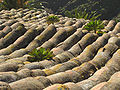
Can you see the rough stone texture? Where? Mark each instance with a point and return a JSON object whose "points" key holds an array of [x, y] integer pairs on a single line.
{"points": [[82, 60], [27, 84]]}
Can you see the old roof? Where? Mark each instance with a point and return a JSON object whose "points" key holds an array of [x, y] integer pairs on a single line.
{"points": [[82, 61]]}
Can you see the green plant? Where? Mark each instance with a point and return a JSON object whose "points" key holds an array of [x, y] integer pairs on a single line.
{"points": [[52, 19], [92, 15], [9, 4], [35, 4], [40, 54], [96, 25]]}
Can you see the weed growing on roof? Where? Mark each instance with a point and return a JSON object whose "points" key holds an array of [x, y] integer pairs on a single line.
{"points": [[40, 54], [52, 19], [95, 26]]}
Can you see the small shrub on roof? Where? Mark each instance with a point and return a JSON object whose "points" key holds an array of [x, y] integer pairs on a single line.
{"points": [[52, 19], [95, 26], [40, 54]]}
